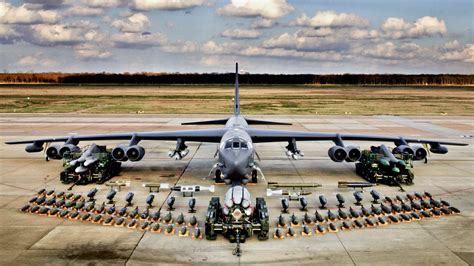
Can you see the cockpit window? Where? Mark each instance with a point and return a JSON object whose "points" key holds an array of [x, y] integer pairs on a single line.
{"points": [[228, 145], [243, 145], [235, 145]]}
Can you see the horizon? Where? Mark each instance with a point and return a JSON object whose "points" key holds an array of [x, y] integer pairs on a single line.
{"points": [[266, 37]]}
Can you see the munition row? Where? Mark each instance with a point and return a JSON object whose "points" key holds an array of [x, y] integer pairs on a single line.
{"points": [[132, 219]]}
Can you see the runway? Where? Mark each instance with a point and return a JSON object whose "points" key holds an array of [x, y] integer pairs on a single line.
{"points": [[31, 239]]}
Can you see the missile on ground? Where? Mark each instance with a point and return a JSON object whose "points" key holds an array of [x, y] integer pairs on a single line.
{"points": [[393, 219], [85, 216], [375, 196], [435, 203], [50, 201], [382, 220], [405, 217], [415, 206], [320, 229], [156, 216], [170, 203], [418, 195], [60, 202], [169, 230], [332, 227], [281, 221], [354, 213], [60, 194], [91, 194], [122, 211], [346, 225], [108, 221], [50, 193], [193, 222], [323, 201], [388, 199], [111, 210], [342, 214], [97, 218], [132, 224], [32, 200], [319, 217], [369, 222], [40, 200], [89, 206], [168, 218], [399, 198], [425, 204], [74, 215], [444, 203], [145, 225], [34, 209], [129, 198], [120, 221], [79, 205], [375, 210], [331, 216], [358, 197], [43, 210], [134, 213], [197, 233], [396, 208], [291, 232], [41, 192], [63, 213], [278, 234], [436, 212], [145, 214], [425, 214], [69, 204], [294, 220], [386, 209], [68, 195], [156, 227], [406, 207], [110, 196], [427, 194], [285, 205], [307, 219], [76, 197], [25, 208], [192, 205], [341, 200], [415, 216], [306, 231], [445, 211], [149, 199], [304, 203], [364, 211], [180, 219], [358, 224]]}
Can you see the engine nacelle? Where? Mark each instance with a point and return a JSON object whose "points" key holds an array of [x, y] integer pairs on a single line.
{"points": [[135, 153], [419, 153], [119, 153], [337, 153], [53, 152], [68, 148], [353, 154], [34, 147], [403, 149], [437, 148]]}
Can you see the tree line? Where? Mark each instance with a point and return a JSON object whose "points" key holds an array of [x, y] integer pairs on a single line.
{"points": [[228, 78]]}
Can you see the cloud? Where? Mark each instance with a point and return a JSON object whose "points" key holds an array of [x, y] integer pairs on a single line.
{"points": [[241, 34], [103, 3], [22, 15], [301, 43], [64, 34], [83, 11], [136, 40], [46, 4], [146, 5], [256, 8], [331, 19], [180, 47], [134, 23], [398, 28], [89, 51], [263, 23], [36, 60], [8, 34], [459, 53], [391, 51]]}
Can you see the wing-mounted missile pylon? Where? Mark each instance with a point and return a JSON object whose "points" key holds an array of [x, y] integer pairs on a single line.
{"points": [[188, 190], [180, 151], [292, 150]]}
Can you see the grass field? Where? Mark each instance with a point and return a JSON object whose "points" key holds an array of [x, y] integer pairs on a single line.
{"points": [[254, 100]]}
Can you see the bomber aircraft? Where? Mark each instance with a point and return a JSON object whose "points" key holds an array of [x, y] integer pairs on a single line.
{"points": [[236, 163]]}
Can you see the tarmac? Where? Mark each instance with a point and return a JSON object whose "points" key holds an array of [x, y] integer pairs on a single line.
{"points": [[33, 239]]}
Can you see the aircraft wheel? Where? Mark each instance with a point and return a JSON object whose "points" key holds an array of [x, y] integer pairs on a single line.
{"points": [[254, 176], [218, 177]]}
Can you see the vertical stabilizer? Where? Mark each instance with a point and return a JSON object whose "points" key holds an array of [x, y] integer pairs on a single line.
{"points": [[236, 92]]}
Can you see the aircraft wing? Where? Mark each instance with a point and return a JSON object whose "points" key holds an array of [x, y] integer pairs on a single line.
{"points": [[268, 135], [201, 135]]}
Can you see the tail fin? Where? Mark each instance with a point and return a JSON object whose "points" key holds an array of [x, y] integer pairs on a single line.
{"points": [[236, 92]]}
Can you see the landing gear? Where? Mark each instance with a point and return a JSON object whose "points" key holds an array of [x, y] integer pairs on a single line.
{"points": [[254, 176], [219, 179]]}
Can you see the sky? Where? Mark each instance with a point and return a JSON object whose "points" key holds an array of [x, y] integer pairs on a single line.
{"points": [[264, 36]]}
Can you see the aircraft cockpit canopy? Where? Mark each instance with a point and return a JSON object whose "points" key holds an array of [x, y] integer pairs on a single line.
{"points": [[236, 144]]}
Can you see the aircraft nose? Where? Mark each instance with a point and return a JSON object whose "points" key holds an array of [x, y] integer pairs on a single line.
{"points": [[236, 165]]}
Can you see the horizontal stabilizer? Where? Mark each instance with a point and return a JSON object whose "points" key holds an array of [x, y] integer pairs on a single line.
{"points": [[208, 122], [263, 122]]}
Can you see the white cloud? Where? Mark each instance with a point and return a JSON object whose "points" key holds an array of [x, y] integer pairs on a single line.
{"points": [[457, 53], [452, 45], [146, 5], [36, 60], [397, 28], [83, 11], [331, 19], [22, 15], [263, 23], [8, 34], [181, 47], [102, 3], [89, 51], [256, 8], [391, 51], [303, 43], [64, 34], [318, 32], [135, 40], [134, 23], [241, 34]]}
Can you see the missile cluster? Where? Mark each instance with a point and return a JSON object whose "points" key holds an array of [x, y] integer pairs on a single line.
{"points": [[74, 206], [381, 211]]}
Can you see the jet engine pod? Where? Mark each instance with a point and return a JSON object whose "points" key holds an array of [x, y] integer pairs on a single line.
{"points": [[403, 149], [419, 153], [34, 147], [53, 152], [68, 148], [437, 148], [353, 154], [337, 153], [119, 153], [135, 153]]}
